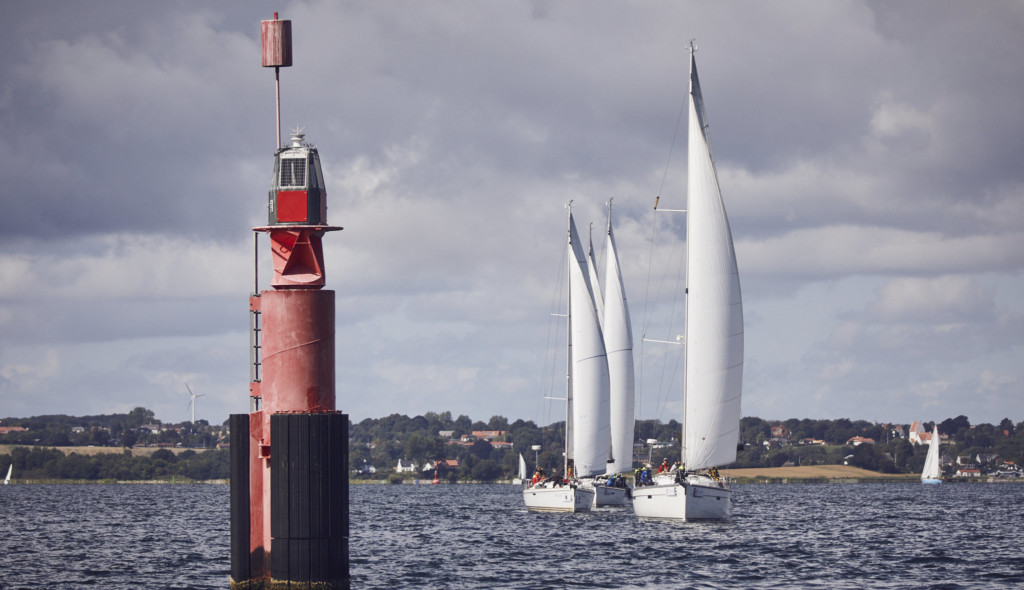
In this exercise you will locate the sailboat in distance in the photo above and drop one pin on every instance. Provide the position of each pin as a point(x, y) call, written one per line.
point(521, 476)
point(713, 344)
point(587, 430)
point(932, 472)
point(10, 469)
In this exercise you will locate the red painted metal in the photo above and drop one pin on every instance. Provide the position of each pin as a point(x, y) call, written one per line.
point(293, 206)
point(276, 40)
point(298, 256)
point(298, 350)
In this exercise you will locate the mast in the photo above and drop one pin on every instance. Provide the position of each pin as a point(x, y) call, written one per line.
point(686, 291)
point(568, 347)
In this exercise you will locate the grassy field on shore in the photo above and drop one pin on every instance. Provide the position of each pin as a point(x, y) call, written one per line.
point(813, 472)
point(91, 451)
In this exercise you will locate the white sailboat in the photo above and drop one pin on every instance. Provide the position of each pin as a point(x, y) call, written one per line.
point(10, 469)
point(932, 472)
point(713, 344)
point(587, 436)
point(521, 477)
point(618, 343)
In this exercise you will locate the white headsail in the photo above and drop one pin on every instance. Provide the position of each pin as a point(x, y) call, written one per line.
point(714, 310)
point(595, 283)
point(588, 368)
point(618, 343)
point(932, 469)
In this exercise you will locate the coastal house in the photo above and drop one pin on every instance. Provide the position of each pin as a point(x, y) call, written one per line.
point(446, 433)
point(405, 466)
point(968, 472)
point(986, 458)
point(488, 435)
point(860, 440)
point(780, 431)
point(916, 430)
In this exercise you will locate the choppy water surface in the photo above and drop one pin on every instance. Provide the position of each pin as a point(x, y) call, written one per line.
point(480, 536)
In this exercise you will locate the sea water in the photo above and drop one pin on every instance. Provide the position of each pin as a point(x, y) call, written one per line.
point(481, 536)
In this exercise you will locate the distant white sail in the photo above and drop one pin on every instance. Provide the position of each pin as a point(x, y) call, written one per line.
point(618, 343)
point(522, 467)
point(591, 432)
point(932, 470)
point(10, 469)
point(714, 310)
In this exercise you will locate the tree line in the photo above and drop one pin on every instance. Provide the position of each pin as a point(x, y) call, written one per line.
point(382, 442)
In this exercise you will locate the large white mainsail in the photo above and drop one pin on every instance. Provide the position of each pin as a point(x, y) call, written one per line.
point(932, 472)
point(714, 311)
point(591, 432)
point(618, 343)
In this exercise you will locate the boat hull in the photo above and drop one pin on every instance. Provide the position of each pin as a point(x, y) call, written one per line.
point(683, 502)
point(930, 481)
point(610, 496)
point(558, 499)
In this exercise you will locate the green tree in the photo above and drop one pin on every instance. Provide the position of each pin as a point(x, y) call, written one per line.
point(486, 470)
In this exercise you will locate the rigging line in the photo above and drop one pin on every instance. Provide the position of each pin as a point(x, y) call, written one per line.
point(675, 135)
point(554, 332)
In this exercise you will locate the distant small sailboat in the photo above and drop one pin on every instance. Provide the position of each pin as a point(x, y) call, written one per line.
point(10, 469)
point(519, 479)
point(932, 473)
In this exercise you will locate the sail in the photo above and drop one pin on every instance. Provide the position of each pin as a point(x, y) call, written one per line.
point(522, 467)
point(618, 343)
point(714, 310)
point(931, 460)
point(10, 469)
point(588, 367)
point(595, 284)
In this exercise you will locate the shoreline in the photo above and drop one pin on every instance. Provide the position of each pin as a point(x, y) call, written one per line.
point(816, 474)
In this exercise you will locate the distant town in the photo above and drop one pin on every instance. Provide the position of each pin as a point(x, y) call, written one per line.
point(395, 448)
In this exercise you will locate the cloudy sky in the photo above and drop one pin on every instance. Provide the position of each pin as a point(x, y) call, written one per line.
point(870, 156)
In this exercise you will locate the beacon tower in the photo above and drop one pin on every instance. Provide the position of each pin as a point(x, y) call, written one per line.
point(289, 454)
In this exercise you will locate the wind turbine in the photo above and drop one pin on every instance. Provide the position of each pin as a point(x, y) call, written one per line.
point(192, 403)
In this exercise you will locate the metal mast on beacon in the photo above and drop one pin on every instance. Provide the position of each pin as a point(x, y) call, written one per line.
point(289, 454)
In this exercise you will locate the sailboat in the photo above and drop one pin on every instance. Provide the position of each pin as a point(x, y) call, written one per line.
point(521, 477)
point(587, 427)
point(932, 472)
point(10, 468)
point(609, 489)
point(713, 345)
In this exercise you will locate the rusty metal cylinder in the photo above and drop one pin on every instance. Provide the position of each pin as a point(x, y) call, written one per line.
point(276, 39)
point(298, 350)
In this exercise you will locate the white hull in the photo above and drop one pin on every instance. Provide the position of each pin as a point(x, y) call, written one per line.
point(564, 498)
point(610, 496)
point(693, 501)
point(928, 480)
